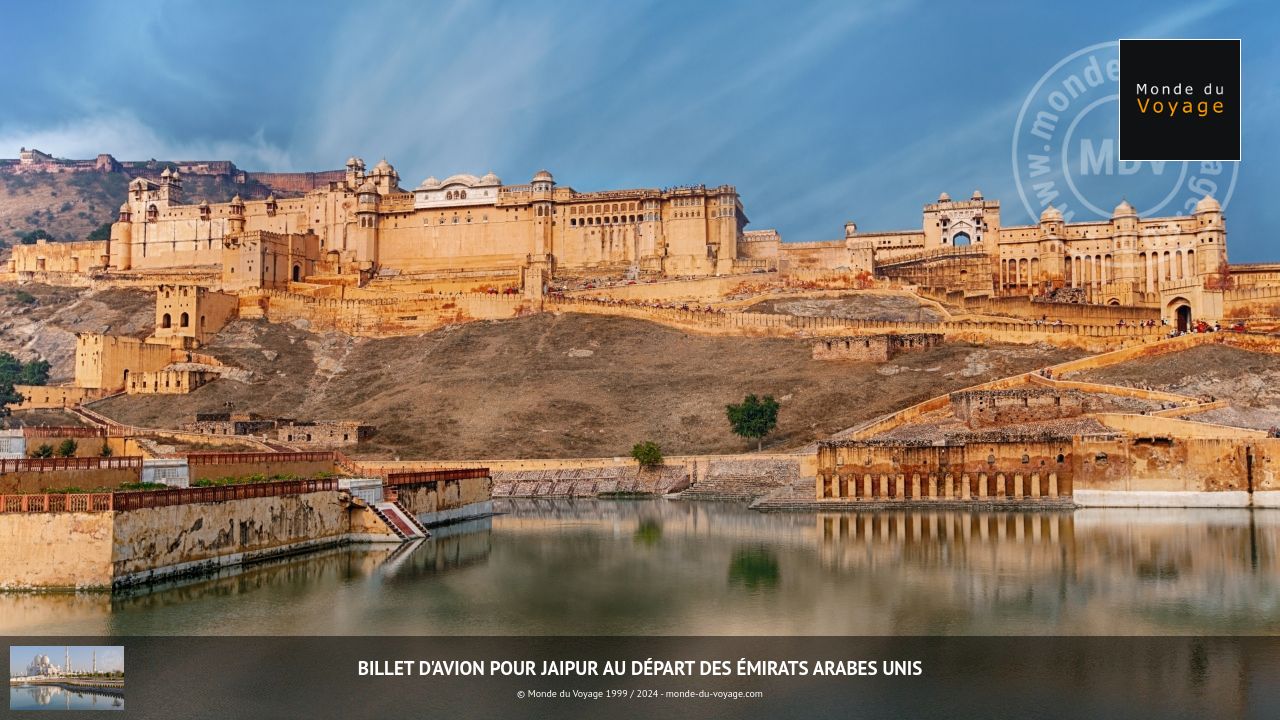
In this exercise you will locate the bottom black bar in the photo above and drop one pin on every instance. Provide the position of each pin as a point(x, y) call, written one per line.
point(703, 677)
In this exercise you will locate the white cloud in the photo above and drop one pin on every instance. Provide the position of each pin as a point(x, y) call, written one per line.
point(126, 137)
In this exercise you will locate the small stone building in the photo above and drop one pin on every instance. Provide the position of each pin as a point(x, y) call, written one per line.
point(316, 433)
point(873, 348)
point(988, 408)
point(190, 313)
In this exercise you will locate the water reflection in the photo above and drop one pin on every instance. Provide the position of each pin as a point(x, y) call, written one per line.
point(754, 568)
point(56, 697)
point(679, 568)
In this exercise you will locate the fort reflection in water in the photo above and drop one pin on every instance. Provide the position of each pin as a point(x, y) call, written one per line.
point(685, 568)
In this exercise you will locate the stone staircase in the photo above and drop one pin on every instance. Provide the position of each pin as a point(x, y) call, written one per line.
point(743, 480)
point(590, 482)
point(401, 521)
point(799, 494)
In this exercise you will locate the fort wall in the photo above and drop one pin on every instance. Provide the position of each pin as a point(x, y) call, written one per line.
point(1146, 464)
point(50, 397)
point(1032, 309)
point(60, 474)
point(428, 499)
point(152, 543)
point(381, 317)
point(46, 257)
point(704, 289)
point(1017, 469)
point(80, 558)
point(213, 466)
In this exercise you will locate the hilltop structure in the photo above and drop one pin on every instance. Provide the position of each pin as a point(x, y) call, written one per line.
point(31, 160)
point(468, 232)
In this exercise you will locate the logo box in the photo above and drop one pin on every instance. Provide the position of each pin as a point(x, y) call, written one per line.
point(1180, 100)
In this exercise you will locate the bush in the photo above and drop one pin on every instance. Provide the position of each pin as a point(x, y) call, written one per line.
point(44, 451)
point(647, 453)
point(67, 448)
point(143, 486)
point(105, 451)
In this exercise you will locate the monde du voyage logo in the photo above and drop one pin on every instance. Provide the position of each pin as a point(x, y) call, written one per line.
point(1179, 100)
point(1078, 148)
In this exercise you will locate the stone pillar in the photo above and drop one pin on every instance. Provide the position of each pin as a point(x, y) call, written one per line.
point(1053, 484)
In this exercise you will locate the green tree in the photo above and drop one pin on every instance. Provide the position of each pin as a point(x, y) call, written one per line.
point(15, 372)
point(102, 232)
point(30, 238)
point(647, 453)
point(44, 451)
point(753, 418)
point(67, 448)
point(105, 451)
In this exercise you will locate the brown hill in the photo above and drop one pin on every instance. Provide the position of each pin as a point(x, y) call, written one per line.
point(563, 386)
point(69, 206)
point(40, 321)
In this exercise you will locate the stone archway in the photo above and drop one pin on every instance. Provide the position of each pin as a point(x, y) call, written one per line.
point(1180, 311)
point(960, 239)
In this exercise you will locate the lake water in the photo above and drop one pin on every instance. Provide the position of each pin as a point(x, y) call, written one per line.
point(51, 697)
point(656, 567)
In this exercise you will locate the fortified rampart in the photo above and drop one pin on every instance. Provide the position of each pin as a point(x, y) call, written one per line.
point(35, 397)
point(1042, 310)
point(381, 317)
point(1091, 337)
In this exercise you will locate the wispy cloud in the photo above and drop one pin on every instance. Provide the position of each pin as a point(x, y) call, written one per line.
point(818, 110)
point(126, 137)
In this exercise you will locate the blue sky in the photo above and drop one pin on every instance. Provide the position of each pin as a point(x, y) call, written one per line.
point(110, 657)
point(819, 112)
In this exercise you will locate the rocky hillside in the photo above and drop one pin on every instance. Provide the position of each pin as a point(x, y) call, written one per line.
point(39, 321)
point(569, 385)
point(70, 206)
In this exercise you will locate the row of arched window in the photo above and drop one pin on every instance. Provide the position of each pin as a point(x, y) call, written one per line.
point(607, 220)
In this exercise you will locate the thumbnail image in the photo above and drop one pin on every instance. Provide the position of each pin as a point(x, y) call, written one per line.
point(79, 677)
